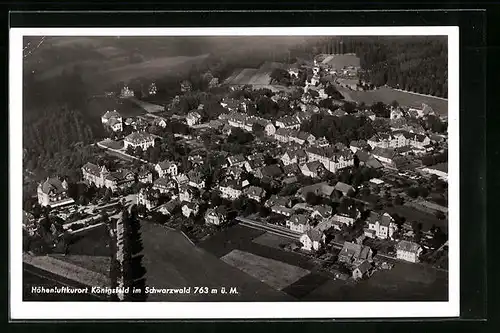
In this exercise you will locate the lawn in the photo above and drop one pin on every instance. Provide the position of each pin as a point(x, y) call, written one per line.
point(413, 214)
point(98, 264)
point(387, 95)
point(405, 282)
point(272, 272)
point(171, 261)
point(271, 240)
point(92, 243)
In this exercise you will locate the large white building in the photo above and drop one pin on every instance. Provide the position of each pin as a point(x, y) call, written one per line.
point(380, 226)
point(143, 140)
point(408, 251)
point(53, 192)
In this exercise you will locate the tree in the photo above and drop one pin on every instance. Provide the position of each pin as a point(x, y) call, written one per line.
point(258, 129)
point(412, 192)
point(440, 215)
point(312, 198)
point(332, 92)
point(280, 76)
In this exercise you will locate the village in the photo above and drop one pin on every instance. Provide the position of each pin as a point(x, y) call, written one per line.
point(350, 203)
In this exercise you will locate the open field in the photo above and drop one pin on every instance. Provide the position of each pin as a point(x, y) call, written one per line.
point(93, 243)
point(413, 214)
point(272, 272)
point(155, 68)
point(98, 264)
point(405, 282)
point(341, 60)
point(387, 95)
point(171, 261)
point(271, 240)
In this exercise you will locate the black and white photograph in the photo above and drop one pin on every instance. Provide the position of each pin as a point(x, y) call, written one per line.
point(220, 173)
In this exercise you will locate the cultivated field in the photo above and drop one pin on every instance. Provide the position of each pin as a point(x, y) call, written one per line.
point(98, 264)
point(272, 272)
point(413, 214)
point(341, 60)
point(172, 261)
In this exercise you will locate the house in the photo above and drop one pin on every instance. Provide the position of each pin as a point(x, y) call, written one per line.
point(115, 125)
point(282, 210)
point(396, 113)
point(366, 113)
point(408, 251)
point(193, 118)
point(190, 209)
point(231, 104)
point(214, 82)
point(148, 197)
point(145, 176)
point(169, 207)
point(293, 157)
point(333, 158)
point(344, 188)
point(152, 90)
point(321, 211)
point(312, 239)
point(161, 122)
point(234, 172)
point(111, 115)
point(312, 169)
point(196, 160)
point(298, 223)
point(29, 224)
point(301, 138)
point(293, 70)
point(236, 160)
point(353, 253)
point(270, 129)
point(230, 190)
point(54, 193)
point(166, 168)
point(187, 194)
point(359, 145)
point(346, 216)
point(126, 92)
point(164, 185)
point(339, 113)
point(254, 162)
point(216, 216)
point(196, 179)
point(291, 170)
point(282, 135)
point(255, 193)
point(384, 155)
point(186, 86)
point(284, 201)
point(101, 177)
point(143, 140)
point(289, 122)
point(320, 189)
point(361, 270)
point(380, 226)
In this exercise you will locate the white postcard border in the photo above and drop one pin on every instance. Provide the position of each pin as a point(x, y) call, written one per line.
point(20, 310)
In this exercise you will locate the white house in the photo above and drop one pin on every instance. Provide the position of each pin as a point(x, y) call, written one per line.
point(298, 223)
point(312, 240)
point(139, 139)
point(215, 216)
point(193, 118)
point(255, 193)
point(166, 168)
point(190, 209)
point(440, 170)
point(126, 92)
point(230, 190)
point(408, 251)
point(312, 169)
point(380, 226)
point(298, 156)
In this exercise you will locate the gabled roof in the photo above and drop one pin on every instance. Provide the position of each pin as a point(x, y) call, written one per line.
point(111, 114)
point(271, 171)
point(139, 137)
point(343, 187)
point(314, 166)
point(52, 184)
point(235, 159)
point(384, 152)
point(319, 189)
point(164, 165)
point(254, 191)
point(315, 235)
point(407, 246)
point(92, 168)
point(364, 267)
point(299, 219)
point(384, 219)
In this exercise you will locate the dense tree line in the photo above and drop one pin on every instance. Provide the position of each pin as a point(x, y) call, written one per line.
point(339, 129)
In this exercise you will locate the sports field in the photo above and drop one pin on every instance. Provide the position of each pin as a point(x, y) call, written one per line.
point(272, 272)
